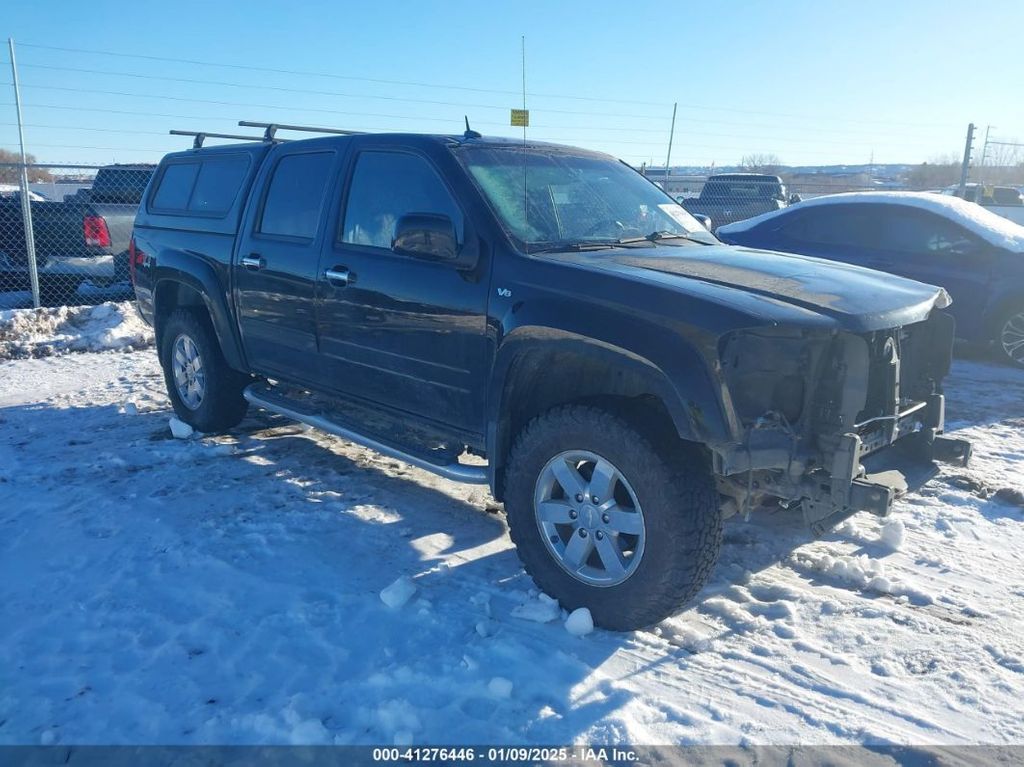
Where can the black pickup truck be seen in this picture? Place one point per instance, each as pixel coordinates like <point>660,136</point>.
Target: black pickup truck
<point>545,320</point>
<point>730,197</point>
<point>84,237</point>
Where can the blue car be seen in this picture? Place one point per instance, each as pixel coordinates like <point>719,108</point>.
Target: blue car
<point>973,253</point>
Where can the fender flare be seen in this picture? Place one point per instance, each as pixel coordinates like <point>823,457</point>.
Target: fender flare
<point>692,401</point>
<point>196,273</point>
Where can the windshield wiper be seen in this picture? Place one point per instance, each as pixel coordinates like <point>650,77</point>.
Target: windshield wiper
<point>660,235</point>
<point>655,236</point>
<point>577,245</point>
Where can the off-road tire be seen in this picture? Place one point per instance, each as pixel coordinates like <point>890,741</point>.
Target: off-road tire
<point>675,489</point>
<point>222,405</point>
<point>1014,311</point>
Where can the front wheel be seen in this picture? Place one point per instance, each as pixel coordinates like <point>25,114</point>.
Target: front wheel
<point>1010,335</point>
<point>205,393</point>
<point>602,520</point>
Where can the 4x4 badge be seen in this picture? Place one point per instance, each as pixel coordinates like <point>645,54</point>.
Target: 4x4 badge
<point>504,292</point>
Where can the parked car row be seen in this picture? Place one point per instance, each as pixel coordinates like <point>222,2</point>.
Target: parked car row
<point>84,237</point>
<point>622,380</point>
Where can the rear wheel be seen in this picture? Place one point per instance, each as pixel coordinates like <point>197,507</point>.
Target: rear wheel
<point>204,391</point>
<point>603,520</point>
<point>1010,335</point>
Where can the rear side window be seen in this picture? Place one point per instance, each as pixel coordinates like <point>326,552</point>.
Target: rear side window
<point>176,187</point>
<point>206,187</point>
<point>218,183</point>
<point>296,194</point>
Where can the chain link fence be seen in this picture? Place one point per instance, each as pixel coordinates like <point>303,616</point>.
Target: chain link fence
<point>72,246</point>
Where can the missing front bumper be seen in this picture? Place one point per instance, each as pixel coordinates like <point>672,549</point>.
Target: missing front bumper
<point>865,477</point>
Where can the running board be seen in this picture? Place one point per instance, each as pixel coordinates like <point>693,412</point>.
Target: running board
<point>256,394</point>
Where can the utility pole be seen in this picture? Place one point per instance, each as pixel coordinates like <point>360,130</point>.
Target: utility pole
<point>967,160</point>
<point>26,206</point>
<point>984,149</point>
<point>671,135</point>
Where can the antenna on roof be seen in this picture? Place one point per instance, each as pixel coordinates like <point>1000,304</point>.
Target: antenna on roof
<point>470,133</point>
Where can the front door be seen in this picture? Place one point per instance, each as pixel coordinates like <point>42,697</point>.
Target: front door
<point>276,266</point>
<point>395,329</point>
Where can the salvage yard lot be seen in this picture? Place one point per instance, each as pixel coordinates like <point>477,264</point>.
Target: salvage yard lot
<point>225,589</point>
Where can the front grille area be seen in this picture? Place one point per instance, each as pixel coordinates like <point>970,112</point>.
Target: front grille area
<point>905,367</point>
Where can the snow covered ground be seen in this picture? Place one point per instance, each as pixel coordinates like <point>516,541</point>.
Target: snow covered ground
<point>280,586</point>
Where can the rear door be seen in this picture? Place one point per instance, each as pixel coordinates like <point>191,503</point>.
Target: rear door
<point>403,332</point>
<point>275,267</point>
<point>927,247</point>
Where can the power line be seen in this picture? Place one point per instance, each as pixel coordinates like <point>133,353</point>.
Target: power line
<point>324,93</point>
<point>657,131</point>
<point>335,76</point>
<point>255,68</point>
<point>762,139</point>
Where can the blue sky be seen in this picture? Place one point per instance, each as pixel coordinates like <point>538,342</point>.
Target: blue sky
<point>812,82</point>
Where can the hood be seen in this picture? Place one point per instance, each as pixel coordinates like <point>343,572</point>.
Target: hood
<point>854,298</point>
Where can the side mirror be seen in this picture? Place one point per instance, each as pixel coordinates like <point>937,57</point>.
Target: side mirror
<point>703,219</point>
<point>795,198</point>
<point>428,236</point>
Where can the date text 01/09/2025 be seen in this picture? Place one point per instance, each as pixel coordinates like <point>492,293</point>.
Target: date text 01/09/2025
<point>503,754</point>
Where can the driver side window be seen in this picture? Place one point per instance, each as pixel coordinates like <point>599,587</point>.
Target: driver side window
<point>386,186</point>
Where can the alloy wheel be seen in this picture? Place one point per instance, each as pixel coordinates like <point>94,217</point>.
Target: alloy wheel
<point>189,375</point>
<point>1011,337</point>
<point>590,518</point>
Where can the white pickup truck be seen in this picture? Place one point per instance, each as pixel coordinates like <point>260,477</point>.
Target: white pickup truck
<point>1006,201</point>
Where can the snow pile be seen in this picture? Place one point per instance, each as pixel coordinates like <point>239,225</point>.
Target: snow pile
<point>579,623</point>
<point>990,227</point>
<point>893,534</point>
<point>48,331</point>
<point>179,429</point>
<point>542,609</point>
<point>398,593</point>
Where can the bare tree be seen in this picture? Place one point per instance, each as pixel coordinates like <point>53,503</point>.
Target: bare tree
<point>1004,163</point>
<point>761,163</point>
<point>9,175</point>
<point>935,174</point>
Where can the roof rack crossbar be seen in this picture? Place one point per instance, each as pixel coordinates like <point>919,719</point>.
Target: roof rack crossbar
<point>200,136</point>
<point>272,128</point>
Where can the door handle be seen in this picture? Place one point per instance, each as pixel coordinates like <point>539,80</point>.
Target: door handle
<point>253,262</point>
<point>339,276</point>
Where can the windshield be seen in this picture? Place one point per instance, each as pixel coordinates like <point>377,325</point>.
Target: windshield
<point>547,197</point>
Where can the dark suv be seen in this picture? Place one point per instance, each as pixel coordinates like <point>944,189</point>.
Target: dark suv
<point>545,320</point>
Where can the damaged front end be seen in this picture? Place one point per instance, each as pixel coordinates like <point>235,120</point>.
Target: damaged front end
<point>835,421</point>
